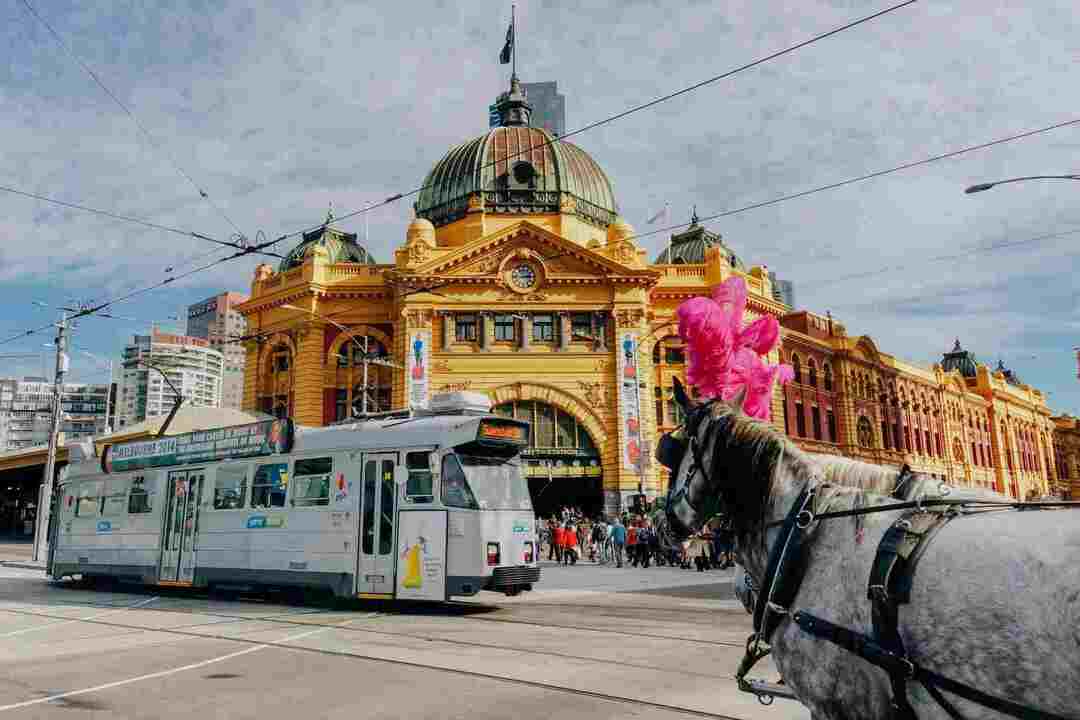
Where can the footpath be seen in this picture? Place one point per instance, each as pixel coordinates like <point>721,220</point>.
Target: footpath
<point>19,554</point>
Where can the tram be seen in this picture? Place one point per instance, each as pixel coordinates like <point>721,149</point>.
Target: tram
<point>419,505</point>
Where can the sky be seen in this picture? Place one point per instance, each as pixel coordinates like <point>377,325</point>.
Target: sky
<point>278,109</point>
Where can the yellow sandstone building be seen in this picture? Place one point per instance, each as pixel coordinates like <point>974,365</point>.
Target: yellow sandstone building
<point>519,279</point>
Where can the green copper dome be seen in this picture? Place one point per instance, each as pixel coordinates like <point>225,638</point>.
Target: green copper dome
<point>341,248</point>
<point>690,245</point>
<point>961,360</point>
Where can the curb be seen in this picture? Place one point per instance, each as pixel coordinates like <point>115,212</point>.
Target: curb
<point>22,565</point>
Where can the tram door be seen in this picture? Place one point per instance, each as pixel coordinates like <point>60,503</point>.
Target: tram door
<point>184,488</point>
<point>378,512</point>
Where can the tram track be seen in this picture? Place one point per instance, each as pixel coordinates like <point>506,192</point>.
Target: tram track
<point>185,632</point>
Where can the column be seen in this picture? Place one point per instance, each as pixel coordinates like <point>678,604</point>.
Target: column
<point>525,324</point>
<point>482,330</point>
<point>447,329</point>
<point>249,401</point>
<point>308,376</point>
<point>562,329</point>
<point>600,331</point>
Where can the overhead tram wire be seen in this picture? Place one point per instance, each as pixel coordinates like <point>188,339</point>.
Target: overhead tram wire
<point>861,178</point>
<point>146,133</point>
<point>624,113</point>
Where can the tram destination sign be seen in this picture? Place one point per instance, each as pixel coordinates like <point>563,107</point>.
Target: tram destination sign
<point>238,441</point>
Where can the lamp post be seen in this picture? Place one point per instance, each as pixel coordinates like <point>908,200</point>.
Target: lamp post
<point>365,361</point>
<point>980,187</point>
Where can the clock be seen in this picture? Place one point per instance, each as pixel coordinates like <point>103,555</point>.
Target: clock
<point>523,276</point>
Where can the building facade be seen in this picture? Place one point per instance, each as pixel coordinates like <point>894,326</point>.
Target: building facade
<point>519,279</point>
<point>217,321</point>
<point>1067,453</point>
<point>26,406</point>
<point>548,106</point>
<point>193,367</point>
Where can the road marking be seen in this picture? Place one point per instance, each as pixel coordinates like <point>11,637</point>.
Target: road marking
<point>173,671</point>
<point>76,620</point>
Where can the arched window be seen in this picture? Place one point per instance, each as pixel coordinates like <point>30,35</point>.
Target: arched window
<point>828,377</point>
<point>865,432</point>
<point>349,396</point>
<point>275,383</point>
<point>796,366</point>
<point>811,368</point>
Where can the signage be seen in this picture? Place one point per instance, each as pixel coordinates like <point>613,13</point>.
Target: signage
<point>418,367</point>
<point>629,401</point>
<point>238,441</point>
<point>202,308</point>
<point>256,522</point>
<point>422,555</point>
<point>503,431</point>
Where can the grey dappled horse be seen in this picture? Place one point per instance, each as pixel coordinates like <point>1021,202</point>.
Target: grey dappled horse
<point>995,602</point>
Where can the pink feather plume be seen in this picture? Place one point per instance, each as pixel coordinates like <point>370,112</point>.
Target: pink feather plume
<point>723,355</point>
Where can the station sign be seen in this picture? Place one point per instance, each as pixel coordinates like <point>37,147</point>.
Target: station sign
<point>267,437</point>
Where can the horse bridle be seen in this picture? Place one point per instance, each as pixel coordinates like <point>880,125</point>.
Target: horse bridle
<point>670,454</point>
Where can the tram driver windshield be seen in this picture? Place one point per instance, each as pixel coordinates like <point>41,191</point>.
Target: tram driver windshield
<point>482,480</point>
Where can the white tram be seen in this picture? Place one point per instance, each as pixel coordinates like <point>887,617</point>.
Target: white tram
<point>423,505</point>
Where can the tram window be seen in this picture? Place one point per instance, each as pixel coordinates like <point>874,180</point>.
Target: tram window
<point>230,487</point>
<point>311,481</point>
<point>420,488</point>
<point>89,497</point>
<point>140,500</point>
<point>114,502</point>
<point>455,488</point>
<point>367,525</point>
<point>386,515</point>
<point>269,485</point>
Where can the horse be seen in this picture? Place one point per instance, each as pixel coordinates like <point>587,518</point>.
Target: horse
<point>994,603</point>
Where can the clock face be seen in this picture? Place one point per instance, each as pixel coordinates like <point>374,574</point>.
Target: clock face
<point>523,276</point>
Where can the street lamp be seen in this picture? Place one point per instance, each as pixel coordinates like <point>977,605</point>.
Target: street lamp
<point>365,361</point>
<point>980,187</point>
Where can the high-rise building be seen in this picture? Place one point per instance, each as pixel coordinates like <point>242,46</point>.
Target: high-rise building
<point>26,411</point>
<point>548,107</point>
<point>783,290</point>
<point>190,364</point>
<point>216,320</point>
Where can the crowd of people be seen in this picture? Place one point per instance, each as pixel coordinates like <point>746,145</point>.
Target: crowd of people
<point>569,536</point>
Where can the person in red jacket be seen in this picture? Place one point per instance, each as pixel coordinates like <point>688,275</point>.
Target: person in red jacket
<point>559,539</point>
<point>570,546</point>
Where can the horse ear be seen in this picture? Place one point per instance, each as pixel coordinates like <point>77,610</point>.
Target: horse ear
<point>680,395</point>
<point>739,400</point>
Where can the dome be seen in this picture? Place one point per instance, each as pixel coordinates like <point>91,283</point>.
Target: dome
<point>960,360</point>
<point>340,248</point>
<point>689,247</point>
<point>515,168</point>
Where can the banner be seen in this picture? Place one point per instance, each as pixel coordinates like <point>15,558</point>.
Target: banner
<point>629,401</point>
<point>419,367</point>
<point>238,441</point>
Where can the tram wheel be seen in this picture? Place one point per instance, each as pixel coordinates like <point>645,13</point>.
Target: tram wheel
<point>513,590</point>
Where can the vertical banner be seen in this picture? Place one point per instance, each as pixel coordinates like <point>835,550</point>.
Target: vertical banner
<point>629,400</point>
<point>419,367</point>
<point>421,571</point>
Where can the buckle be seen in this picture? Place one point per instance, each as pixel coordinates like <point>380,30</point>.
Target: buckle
<point>804,519</point>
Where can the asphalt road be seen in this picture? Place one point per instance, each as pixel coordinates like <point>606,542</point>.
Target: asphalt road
<point>590,642</point>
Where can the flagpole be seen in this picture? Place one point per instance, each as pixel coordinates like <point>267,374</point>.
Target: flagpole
<point>513,44</point>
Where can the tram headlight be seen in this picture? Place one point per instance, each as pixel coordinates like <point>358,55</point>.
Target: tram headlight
<point>493,553</point>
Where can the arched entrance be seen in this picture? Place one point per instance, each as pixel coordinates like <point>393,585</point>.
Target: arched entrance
<point>562,463</point>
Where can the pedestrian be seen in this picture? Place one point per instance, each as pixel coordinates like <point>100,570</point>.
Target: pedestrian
<point>631,544</point>
<point>560,541</point>
<point>618,540</point>
<point>644,542</point>
<point>570,551</point>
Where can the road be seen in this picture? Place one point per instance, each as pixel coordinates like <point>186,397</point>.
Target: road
<point>589,642</point>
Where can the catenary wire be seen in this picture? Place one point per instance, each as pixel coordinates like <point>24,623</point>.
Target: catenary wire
<point>625,113</point>
<point>146,133</point>
<point>868,176</point>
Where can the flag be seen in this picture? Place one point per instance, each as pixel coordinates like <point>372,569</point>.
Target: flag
<point>504,56</point>
<point>662,215</point>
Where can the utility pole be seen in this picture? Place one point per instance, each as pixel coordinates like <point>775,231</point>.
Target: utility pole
<point>41,534</point>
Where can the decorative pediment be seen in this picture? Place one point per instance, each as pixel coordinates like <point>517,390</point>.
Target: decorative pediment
<point>559,257</point>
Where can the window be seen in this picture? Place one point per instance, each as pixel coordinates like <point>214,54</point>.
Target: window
<point>269,485</point>
<point>87,503</point>
<point>886,436</point>
<point>281,362</point>
<point>657,393</point>
<point>140,499</point>
<point>811,367</point>
<point>386,516</point>
<point>929,445</point>
<point>311,481</point>
<point>543,328</point>
<point>230,487</point>
<point>420,487</point>
<point>865,433</point>
<point>581,326</point>
<point>796,366</point>
<point>465,327</point>
<point>800,420</point>
<point>545,426</point>
<point>341,404</point>
<point>830,417</point>
<point>787,424</point>
<point>564,429</point>
<point>674,355</point>
<point>505,327</point>
<point>113,503</point>
<point>815,421</point>
<point>455,488</point>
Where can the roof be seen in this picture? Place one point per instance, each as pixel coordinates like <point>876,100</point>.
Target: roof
<point>960,360</point>
<point>488,166</point>
<point>419,431</point>
<point>690,245</point>
<point>188,419</point>
<point>340,246</point>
